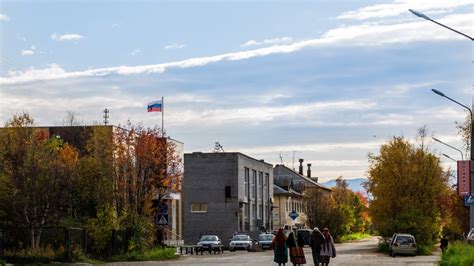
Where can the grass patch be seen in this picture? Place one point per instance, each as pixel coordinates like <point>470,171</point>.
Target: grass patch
<point>354,236</point>
<point>153,254</point>
<point>383,247</point>
<point>459,254</point>
<point>425,249</point>
<point>2,262</point>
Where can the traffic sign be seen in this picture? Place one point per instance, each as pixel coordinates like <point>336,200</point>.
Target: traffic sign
<point>469,200</point>
<point>162,219</point>
<point>294,215</point>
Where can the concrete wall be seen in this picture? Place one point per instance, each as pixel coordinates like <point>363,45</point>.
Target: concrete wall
<point>205,177</point>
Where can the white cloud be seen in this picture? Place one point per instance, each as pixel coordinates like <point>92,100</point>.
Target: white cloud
<point>66,37</point>
<point>401,7</point>
<point>26,52</point>
<point>257,114</point>
<point>309,147</point>
<point>4,17</point>
<point>174,46</point>
<point>358,35</point>
<point>267,41</point>
<point>136,52</point>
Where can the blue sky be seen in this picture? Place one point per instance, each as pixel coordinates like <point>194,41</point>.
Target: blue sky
<point>329,82</point>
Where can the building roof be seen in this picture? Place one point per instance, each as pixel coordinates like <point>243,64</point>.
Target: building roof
<point>277,190</point>
<point>221,153</point>
<point>298,175</point>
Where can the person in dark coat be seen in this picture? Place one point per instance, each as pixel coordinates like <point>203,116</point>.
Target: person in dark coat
<point>296,251</point>
<point>444,243</point>
<point>316,241</point>
<point>280,248</point>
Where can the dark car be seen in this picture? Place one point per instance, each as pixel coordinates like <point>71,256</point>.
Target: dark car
<point>305,234</point>
<point>265,240</point>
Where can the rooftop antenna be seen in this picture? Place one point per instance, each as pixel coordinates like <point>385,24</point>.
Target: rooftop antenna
<point>281,159</point>
<point>106,116</point>
<point>218,147</point>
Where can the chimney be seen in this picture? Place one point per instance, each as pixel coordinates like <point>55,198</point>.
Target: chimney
<point>301,166</point>
<point>309,170</point>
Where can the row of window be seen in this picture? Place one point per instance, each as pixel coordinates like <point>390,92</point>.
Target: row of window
<point>294,206</point>
<point>256,190</point>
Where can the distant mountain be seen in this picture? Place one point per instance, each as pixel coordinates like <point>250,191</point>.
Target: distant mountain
<point>354,184</point>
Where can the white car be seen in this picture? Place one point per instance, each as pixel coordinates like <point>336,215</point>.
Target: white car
<point>240,242</point>
<point>209,242</point>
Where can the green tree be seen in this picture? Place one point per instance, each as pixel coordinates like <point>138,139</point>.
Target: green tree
<point>37,172</point>
<point>406,182</point>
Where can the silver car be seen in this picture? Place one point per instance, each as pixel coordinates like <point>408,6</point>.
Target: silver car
<point>209,242</point>
<point>240,242</point>
<point>402,244</point>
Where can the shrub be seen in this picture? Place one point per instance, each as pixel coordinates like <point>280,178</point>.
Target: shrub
<point>458,253</point>
<point>157,253</point>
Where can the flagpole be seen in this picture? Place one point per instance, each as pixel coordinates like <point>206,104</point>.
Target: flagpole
<point>162,117</point>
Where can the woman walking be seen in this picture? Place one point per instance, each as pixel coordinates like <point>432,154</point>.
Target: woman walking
<point>279,248</point>
<point>328,250</point>
<point>296,250</point>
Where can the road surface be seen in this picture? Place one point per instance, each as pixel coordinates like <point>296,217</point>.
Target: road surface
<point>353,253</point>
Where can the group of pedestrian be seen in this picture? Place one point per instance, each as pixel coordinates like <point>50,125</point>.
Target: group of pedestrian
<point>322,247</point>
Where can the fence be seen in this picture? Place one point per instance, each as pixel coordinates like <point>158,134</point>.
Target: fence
<point>44,241</point>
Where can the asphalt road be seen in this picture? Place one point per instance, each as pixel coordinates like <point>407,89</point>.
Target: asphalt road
<point>354,253</point>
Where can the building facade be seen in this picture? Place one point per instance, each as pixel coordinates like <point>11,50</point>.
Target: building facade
<point>289,188</point>
<point>226,193</point>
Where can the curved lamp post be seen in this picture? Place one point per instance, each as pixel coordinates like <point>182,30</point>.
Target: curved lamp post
<point>423,16</point>
<point>444,143</point>
<point>449,157</point>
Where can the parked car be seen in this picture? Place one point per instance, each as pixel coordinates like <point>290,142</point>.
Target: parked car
<point>240,242</point>
<point>209,242</point>
<point>305,234</point>
<point>265,240</point>
<point>402,244</point>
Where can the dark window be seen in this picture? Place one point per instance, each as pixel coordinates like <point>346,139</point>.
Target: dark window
<point>227,192</point>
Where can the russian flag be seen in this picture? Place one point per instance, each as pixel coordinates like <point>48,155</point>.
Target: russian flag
<point>155,106</point>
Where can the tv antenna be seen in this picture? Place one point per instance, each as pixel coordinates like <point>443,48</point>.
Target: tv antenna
<point>106,116</point>
<point>218,147</point>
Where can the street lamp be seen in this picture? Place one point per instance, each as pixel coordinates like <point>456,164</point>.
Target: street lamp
<point>423,16</point>
<point>444,143</point>
<point>449,157</point>
<point>470,113</point>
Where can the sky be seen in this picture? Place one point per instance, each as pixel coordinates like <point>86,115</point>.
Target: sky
<point>326,81</point>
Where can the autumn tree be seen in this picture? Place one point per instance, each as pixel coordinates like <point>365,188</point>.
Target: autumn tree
<point>37,173</point>
<point>405,182</point>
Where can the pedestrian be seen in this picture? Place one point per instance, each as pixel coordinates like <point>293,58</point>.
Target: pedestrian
<point>444,244</point>
<point>296,252</point>
<point>280,250</point>
<point>315,243</point>
<point>328,250</point>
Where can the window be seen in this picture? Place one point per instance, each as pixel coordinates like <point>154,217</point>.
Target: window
<point>260,186</point>
<point>246,182</point>
<point>198,207</point>
<point>260,211</point>
<point>227,192</point>
<point>254,184</point>
<point>266,187</point>
<point>246,212</point>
